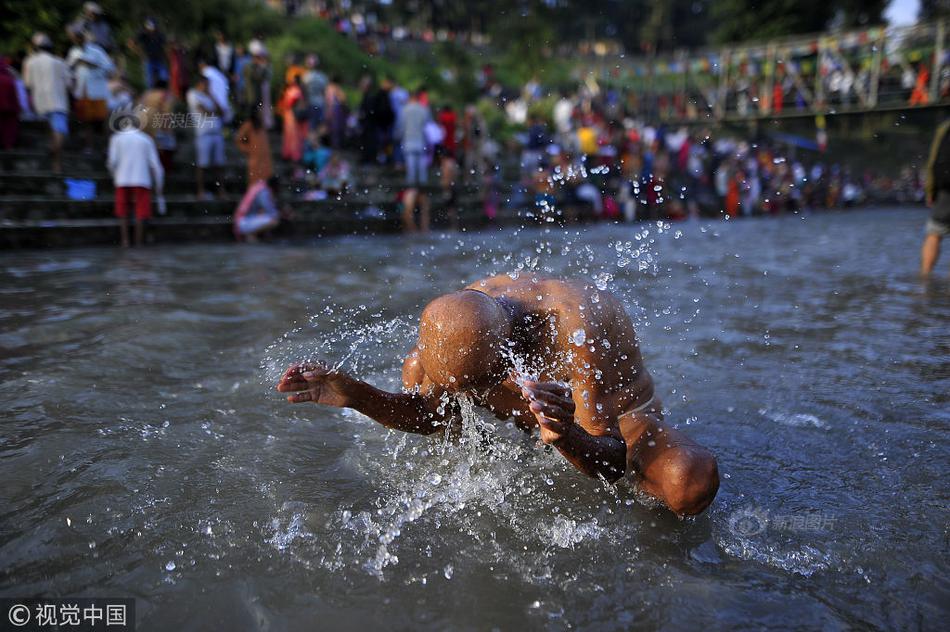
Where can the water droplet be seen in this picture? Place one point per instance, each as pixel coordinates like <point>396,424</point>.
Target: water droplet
<point>170,566</point>
<point>579,337</point>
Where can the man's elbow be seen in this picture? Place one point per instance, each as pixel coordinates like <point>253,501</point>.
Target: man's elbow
<point>691,481</point>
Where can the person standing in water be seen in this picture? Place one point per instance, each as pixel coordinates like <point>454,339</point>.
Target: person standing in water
<point>410,130</point>
<point>938,198</point>
<point>583,383</point>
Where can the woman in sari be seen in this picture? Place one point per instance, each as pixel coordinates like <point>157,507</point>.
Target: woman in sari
<point>293,110</point>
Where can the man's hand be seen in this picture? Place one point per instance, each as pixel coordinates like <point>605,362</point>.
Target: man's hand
<point>318,384</point>
<point>552,406</point>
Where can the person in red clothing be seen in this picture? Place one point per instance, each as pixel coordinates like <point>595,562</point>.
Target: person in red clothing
<point>449,121</point>
<point>920,95</point>
<point>9,106</point>
<point>778,97</point>
<point>136,172</point>
<point>732,194</point>
<point>294,107</point>
<point>448,166</point>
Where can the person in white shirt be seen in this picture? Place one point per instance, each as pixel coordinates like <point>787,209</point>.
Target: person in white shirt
<point>91,67</point>
<point>136,172</point>
<point>46,76</point>
<point>218,88</point>
<point>209,141</point>
<point>224,53</point>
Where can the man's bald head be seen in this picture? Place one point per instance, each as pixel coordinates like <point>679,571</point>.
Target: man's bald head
<point>461,336</point>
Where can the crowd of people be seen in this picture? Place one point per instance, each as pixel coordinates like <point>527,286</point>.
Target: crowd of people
<point>598,159</point>
<point>591,155</point>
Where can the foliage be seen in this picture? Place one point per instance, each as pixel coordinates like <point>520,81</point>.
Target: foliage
<point>191,21</point>
<point>339,56</point>
<point>739,20</point>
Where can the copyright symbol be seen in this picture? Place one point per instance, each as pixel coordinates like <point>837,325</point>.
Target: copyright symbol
<point>19,615</point>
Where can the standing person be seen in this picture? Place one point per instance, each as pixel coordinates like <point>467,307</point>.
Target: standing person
<point>178,76</point>
<point>293,70</point>
<point>46,76</point>
<point>91,67</point>
<point>448,164</point>
<point>921,92</point>
<point>223,54</point>
<point>209,141</point>
<point>218,87</point>
<point>9,106</point>
<point>398,98</point>
<point>385,119</point>
<point>91,19</point>
<point>733,194</point>
<point>535,147</point>
<point>335,100</point>
<point>937,188</point>
<point>241,59</point>
<point>411,132</point>
<point>314,87</point>
<point>562,114</point>
<point>367,122</point>
<point>256,78</point>
<point>150,45</point>
<point>472,131</point>
<point>294,112</point>
<point>159,104</point>
<point>448,120</point>
<point>136,172</point>
<point>251,140</point>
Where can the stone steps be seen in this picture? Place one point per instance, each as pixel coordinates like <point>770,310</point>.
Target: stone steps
<point>305,224</point>
<point>54,208</point>
<point>46,183</point>
<point>35,211</point>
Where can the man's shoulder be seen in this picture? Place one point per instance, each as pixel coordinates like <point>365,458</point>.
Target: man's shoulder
<point>132,138</point>
<point>44,59</point>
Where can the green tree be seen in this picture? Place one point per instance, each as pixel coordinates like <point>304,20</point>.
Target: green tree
<point>741,20</point>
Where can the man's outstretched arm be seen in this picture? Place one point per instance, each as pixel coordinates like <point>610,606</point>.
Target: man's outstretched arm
<point>408,412</point>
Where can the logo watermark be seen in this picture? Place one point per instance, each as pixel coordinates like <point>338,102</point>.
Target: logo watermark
<point>752,520</point>
<point>80,614</point>
<point>140,117</point>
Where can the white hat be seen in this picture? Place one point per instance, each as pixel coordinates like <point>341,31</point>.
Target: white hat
<point>92,7</point>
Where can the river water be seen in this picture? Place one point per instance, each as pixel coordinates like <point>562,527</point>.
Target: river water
<point>144,453</point>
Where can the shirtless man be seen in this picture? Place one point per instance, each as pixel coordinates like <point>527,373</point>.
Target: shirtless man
<point>582,383</point>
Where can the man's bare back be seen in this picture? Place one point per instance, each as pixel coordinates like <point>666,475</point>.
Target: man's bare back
<point>549,354</point>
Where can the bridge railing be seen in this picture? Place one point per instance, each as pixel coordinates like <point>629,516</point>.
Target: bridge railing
<point>877,68</point>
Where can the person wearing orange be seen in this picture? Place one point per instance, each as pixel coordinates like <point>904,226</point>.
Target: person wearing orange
<point>294,112</point>
<point>251,140</point>
<point>732,196</point>
<point>920,95</point>
<point>294,70</point>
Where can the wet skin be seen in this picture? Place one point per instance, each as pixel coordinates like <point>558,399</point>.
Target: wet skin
<point>580,396</point>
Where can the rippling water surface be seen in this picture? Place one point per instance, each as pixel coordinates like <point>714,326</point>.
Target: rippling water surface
<point>144,453</point>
